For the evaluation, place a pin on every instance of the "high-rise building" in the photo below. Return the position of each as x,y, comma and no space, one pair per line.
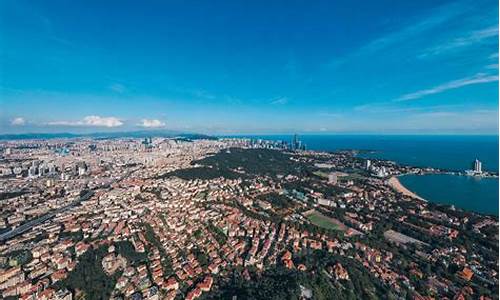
368,164
297,144
477,167
82,168
32,171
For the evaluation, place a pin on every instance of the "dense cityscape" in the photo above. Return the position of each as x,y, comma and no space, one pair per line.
199,218
249,150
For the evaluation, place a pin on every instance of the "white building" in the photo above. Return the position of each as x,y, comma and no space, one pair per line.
478,166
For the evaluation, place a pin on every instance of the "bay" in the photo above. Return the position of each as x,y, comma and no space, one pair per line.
450,152
467,192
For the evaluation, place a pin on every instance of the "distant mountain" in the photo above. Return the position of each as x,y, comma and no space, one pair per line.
109,135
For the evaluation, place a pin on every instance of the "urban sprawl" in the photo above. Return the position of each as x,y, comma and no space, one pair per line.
179,218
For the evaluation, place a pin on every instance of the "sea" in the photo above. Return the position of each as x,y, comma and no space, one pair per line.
449,152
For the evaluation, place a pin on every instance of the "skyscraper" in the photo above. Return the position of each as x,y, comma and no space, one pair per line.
477,167
295,142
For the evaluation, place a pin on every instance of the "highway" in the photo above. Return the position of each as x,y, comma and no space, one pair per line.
32,223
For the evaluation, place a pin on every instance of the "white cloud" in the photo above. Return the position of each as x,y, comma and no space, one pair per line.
102,121
18,121
476,79
91,121
280,101
153,123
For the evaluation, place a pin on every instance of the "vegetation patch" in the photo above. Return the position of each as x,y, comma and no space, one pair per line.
74,236
17,257
276,283
254,162
89,277
203,173
281,283
235,163
127,250
8,195
276,200
166,261
218,234
201,257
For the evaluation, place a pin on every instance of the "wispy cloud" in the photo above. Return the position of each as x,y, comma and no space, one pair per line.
471,38
151,123
436,114
18,121
476,79
91,121
396,108
279,101
408,32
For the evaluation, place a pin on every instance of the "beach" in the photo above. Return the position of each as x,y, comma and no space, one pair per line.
396,184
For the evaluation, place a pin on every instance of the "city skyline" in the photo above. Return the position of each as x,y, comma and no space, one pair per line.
262,68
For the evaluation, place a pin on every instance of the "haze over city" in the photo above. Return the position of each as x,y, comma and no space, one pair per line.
392,67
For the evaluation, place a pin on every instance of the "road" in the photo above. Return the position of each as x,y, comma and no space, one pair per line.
30,224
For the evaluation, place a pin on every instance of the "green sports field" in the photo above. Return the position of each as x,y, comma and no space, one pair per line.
322,221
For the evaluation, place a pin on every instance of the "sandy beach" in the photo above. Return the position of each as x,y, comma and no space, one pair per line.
396,184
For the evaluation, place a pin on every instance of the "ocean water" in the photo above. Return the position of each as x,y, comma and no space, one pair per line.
446,152
469,193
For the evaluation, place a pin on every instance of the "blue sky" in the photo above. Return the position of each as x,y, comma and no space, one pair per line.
226,67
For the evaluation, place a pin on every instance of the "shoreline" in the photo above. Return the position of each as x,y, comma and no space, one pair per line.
398,186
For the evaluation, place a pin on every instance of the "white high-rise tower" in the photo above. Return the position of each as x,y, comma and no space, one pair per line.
478,166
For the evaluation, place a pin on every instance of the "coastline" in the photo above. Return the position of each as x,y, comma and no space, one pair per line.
396,184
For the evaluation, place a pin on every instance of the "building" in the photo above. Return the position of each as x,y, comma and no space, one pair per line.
81,168
297,144
477,167
332,178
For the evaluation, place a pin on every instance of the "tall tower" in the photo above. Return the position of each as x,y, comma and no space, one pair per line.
295,142
478,166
